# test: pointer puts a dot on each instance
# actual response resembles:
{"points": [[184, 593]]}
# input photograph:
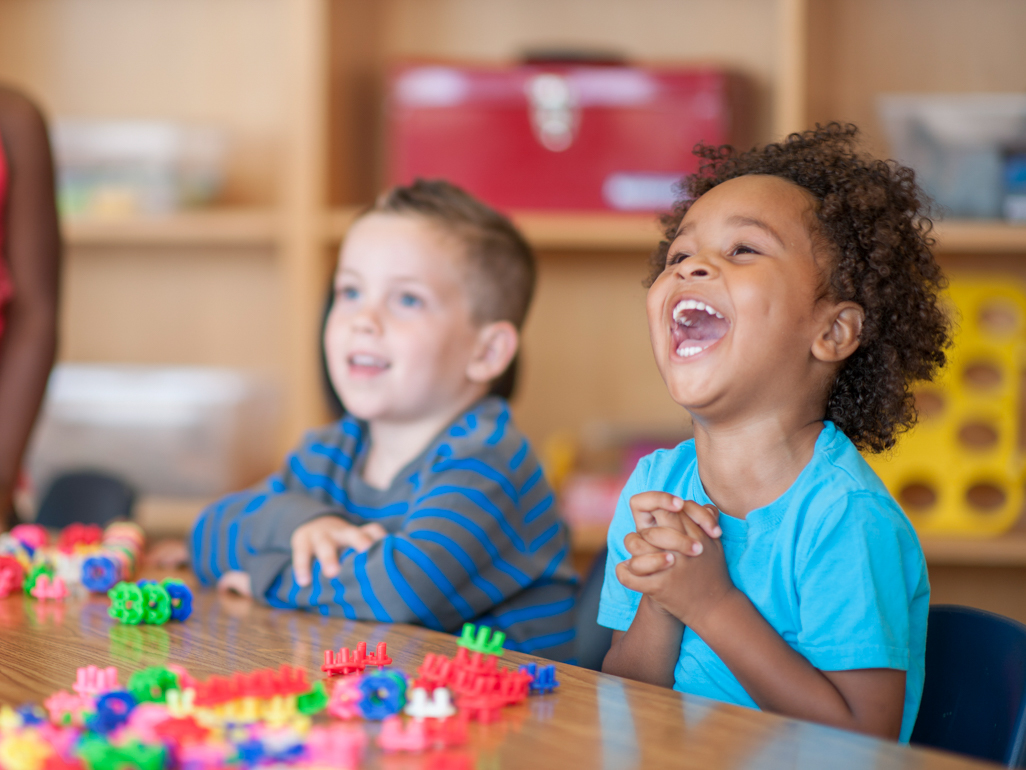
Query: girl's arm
{"points": [[649, 649], [698, 591], [32, 252]]}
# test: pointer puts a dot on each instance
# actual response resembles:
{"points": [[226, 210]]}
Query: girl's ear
{"points": [[496, 346], [841, 337]]}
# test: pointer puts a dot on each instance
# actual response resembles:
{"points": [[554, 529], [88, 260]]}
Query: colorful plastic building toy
{"points": [[126, 603], [314, 701], [383, 695], [436, 706], [413, 737], [150, 685], [68, 709], [157, 604], [78, 535], [345, 663], [543, 680], [33, 575], [339, 746], [122, 544], [32, 536], [100, 754], [181, 598], [100, 573], [90, 680], [345, 698], [112, 710], [45, 588], [478, 639], [12, 575]]}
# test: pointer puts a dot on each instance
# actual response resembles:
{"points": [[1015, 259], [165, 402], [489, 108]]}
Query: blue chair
{"points": [[88, 497], [593, 640], [974, 696]]}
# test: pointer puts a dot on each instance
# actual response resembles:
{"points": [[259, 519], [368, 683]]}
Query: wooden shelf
{"points": [[575, 231], [1008, 550], [219, 227], [980, 237]]}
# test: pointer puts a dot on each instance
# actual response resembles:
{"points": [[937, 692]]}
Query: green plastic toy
{"points": [[150, 685], [30, 579], [477, 639], [99, 754], [126, 603], [157, 603], [312, 702]]}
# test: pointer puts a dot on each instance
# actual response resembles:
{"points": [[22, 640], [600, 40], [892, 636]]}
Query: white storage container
{"points": [[109, 168], [954, 142], [182, 432]]}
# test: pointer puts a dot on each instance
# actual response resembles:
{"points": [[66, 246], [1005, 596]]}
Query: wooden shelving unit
{"points": [[209, 227]]}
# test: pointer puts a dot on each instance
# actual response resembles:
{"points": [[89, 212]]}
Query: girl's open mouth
{"points": [[696, 326]]}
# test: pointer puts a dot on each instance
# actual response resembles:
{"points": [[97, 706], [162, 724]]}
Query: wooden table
{"points": [[593, 720]]}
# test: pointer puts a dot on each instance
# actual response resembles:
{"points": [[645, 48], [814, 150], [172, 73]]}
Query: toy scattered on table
{"points": [[150, 602], [482, 640], [165, 719], [12, 575], [47, 588], [116, 559]]}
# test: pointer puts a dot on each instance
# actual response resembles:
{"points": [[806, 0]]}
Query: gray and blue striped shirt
{"points": [[473, 534]]}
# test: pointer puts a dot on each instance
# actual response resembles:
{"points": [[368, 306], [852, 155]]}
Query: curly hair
{"points": [[873, 215]]}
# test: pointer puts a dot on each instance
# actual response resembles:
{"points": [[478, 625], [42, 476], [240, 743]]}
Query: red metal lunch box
{"points": [[561, 136]]}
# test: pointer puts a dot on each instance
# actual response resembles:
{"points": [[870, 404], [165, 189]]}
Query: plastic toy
{"points": [[543, 680], [126, 604], [33, 575], [12, 575], [345, 698], [181, 731], [383, 695], [314, 701], [181, 598], [436, 706], [100, 754], [150, 685], [413, 737], [32, 536], [68, 709], [338, 746], [157, 603], [478, 639], [45, 588], [90, 680], [112, 710], [960, 470], [122, 544], [345, 663], [78, 535]]}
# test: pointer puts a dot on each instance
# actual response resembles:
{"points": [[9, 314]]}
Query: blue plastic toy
{"points": [[544, 678], [383, 695]]}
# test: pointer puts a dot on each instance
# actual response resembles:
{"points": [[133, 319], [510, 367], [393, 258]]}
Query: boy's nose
{"points": [[367, 321]]}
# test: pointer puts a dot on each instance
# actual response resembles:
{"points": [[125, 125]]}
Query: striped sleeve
{"points": [[251, 530], [481, 535]]}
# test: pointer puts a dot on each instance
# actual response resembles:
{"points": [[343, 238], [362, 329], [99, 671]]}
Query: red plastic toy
{"points": [[79, 534], [346, 663], [12, 575], [262, 683]]}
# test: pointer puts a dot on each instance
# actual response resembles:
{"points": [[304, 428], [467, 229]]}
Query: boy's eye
{"points": [[348, 293], [410, 300]]}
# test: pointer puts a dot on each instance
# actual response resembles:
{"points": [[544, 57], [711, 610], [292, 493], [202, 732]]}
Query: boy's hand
{"points": [[236, 582], [683, 572], [323, 538]]}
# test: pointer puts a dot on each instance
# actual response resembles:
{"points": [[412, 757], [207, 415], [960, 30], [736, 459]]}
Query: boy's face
{"points": [[735, 313], [400, 335]]}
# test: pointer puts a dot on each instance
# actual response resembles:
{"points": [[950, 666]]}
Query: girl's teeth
{"points": [[693, 304], [687, 352]]}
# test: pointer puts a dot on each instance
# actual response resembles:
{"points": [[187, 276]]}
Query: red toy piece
{"points": [[12, 575], [345, 662], [47, 589], [262, 683], [181, 731], [79, 534], [57, 762], [484, 707]]}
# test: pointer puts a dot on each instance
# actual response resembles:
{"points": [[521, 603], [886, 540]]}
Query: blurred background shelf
{"points": [[980, 237], [212, 227]]}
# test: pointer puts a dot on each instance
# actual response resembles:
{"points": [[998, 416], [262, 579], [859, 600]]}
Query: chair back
{"points": [[593, 640], [87, 497], [975, 688]]}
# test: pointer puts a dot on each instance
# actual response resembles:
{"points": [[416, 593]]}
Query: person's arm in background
{"points": [[33, 254]]}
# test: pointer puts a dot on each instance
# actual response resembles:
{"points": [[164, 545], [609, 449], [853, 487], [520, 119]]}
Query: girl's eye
{"points": [[740, 249], [676, 258], [410, 300]]}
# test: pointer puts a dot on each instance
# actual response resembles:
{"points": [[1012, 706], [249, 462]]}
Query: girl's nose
{"points": [[697, 267]]}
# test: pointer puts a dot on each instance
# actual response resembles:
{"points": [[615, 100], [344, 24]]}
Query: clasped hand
{"points": [[676, 556]]}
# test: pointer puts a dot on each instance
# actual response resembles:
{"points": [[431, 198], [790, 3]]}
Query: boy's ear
{"points": [[841, 338], [496, 346]]}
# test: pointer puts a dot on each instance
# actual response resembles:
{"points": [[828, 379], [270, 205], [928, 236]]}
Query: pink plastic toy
{"points": [[394, 737], [31, 535], [91, 680], [144, 718], [64, 705], [345, 698], [339, 746], [345, 663], [47, 589]]}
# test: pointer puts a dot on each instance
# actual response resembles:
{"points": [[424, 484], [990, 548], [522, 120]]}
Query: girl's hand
{"points": [[661, 509], [323, 538], [682, 572]]}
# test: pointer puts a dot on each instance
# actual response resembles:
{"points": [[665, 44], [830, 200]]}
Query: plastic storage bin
{"points": [[124, 168], [955, 143], [177, 432]]}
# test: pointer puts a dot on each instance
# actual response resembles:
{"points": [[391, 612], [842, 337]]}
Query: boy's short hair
{"points": [[871, 216], [501, 262]]}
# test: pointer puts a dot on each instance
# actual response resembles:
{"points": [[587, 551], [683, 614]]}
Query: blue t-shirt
{"points": [[833, 565]]}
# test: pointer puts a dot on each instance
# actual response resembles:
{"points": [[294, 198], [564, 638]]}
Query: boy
{"points": [[425, 504], [763, 563]]}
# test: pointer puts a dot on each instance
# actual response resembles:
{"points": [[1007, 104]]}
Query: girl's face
{"points": [[735, 313], [400, 336]]}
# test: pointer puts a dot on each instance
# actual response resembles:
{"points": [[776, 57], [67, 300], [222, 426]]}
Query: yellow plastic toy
{"points": [[960, 470]]}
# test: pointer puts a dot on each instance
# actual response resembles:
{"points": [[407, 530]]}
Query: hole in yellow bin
{"points": [[985, 497], [929, 403], [978, 435], [982, 375], [917, 497], [999, 318]]}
